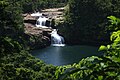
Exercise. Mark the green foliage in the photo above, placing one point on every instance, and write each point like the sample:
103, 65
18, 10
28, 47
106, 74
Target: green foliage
11, 27
115, 23
8, 45
16, 63
10, 18
86, 20
102, 47
105, 67
23, 66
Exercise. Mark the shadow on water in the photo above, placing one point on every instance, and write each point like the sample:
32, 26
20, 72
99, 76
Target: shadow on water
65, 55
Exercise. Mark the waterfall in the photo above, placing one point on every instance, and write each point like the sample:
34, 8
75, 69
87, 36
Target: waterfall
56, 39
41, 22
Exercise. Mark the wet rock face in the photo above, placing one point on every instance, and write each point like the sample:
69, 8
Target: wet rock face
38, 37
38, 41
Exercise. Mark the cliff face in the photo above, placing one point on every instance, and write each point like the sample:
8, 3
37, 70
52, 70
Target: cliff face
38, 37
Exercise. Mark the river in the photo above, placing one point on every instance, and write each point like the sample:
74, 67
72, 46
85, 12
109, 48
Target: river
65, 55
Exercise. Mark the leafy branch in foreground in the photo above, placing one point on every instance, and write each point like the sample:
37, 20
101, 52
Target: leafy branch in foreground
105, 67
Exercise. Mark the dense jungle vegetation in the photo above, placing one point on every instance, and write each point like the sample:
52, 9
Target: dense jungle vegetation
84, 20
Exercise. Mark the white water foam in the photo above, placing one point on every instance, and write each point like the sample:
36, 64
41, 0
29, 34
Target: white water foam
56, 39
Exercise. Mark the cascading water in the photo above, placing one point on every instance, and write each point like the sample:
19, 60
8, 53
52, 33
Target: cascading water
41, 22
56, 39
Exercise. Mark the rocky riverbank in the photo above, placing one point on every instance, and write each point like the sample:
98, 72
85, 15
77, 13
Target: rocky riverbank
40, 37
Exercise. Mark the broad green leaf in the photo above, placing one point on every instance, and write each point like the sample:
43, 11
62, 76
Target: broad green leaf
102, 48
100, 77
108, 46
111, 17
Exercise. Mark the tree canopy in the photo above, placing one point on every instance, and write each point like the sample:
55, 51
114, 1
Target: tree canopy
86, 20
11, 26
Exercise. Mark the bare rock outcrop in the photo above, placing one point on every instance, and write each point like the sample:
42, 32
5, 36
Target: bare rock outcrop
39, 37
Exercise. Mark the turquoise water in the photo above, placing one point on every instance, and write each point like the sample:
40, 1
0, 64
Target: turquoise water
65, 55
